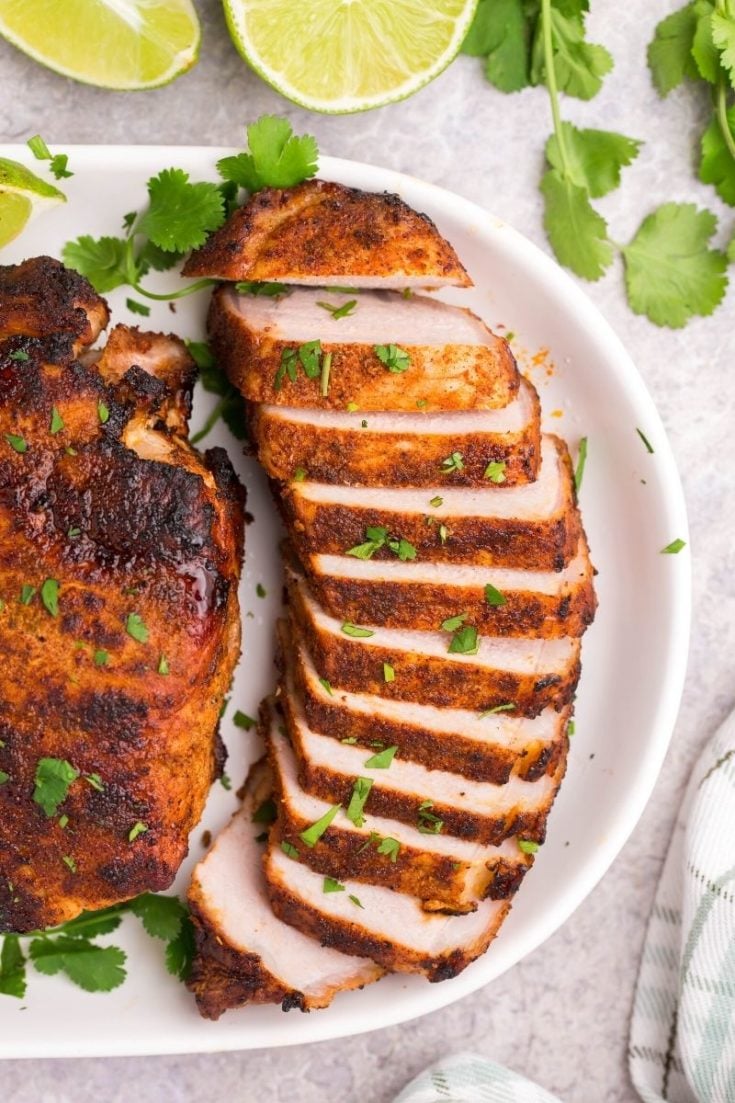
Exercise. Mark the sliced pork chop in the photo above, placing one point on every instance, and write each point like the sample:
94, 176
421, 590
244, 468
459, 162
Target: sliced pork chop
410, 792
324, 233
531, 674
403, 449
499, 601
444, 872
485, 747
454, 362
243, 953
374, 921
535, 527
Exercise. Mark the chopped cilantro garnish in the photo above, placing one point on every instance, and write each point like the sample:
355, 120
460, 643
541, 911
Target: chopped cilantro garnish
73, 533
101, 657
20, 355
436, 501
495, 472
265, 290
137, 829
360, 793
50, 596
260, 590
494, 597
428, 823
571, 728
95, 781
390, 847
163, 667
464, 641
299, 474
674, 547
381, 761
339, 311
103, 413
52, 780
4, 778
137, 308
69, 862
451, 624
265, 812
356, 902
312, 834
355, 631
454, 462
646, 441
289, 849
57, 421
327, 686
508, 706
389, 674
27, 593
135, 627
395, 359
581, 461
226, 781
330, 885
17, 443
242, 720
528, 846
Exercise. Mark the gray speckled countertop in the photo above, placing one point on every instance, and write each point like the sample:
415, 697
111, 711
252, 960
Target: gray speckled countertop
561, 1016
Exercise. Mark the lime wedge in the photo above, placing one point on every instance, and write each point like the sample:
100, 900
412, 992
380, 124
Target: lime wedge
122, 44
22, 195
348, 55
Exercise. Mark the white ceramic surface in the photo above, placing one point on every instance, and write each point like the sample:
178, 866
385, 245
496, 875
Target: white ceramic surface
634, 657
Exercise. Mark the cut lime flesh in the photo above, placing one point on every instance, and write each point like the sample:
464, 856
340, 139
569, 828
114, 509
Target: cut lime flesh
119, 44
15, 210
348, 55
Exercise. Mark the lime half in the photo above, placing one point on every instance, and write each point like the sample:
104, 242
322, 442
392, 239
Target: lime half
123, 44
348, 55
22, 195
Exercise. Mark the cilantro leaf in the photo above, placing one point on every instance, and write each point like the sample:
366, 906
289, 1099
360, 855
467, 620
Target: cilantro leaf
731, 250
12, 968
277, 159
180, 950
93, 968
213, 379
670, 51
723, 36
704, 51
670, 273
578, 234
52, 780
160, 260
579, 65
180, 214
93, 924
594, 157
716, 165
161, 916
500, 33
102, 260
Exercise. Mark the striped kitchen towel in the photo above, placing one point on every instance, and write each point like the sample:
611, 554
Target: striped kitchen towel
682, 1038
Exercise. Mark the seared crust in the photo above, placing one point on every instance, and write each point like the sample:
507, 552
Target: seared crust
347, 663
491, 830
360, 457
355, 937
425, 605
445, 750
40, 298
319, 230
440, 377
127, 519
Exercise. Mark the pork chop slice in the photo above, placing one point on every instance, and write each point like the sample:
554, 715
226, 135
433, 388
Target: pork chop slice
535, 526
244, 954
423, 797
374, 921
483, 746
446, 358
499, 601
40, 298
400, 449
325, 233
529, 673
444, 872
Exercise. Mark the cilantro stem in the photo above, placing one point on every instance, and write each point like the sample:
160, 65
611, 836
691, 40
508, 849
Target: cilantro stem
722, 118
552, 85
190, 290
211, 421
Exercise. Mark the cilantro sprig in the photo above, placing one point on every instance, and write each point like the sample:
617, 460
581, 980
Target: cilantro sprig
181, 213
671, 272
72, 949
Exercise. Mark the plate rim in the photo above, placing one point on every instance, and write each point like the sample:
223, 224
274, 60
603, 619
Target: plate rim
629, 812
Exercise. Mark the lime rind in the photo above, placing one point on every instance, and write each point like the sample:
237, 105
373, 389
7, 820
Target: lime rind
23, 195
235, 15
124, 49
15, 177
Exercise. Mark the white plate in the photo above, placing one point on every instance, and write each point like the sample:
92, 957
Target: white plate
634, 656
